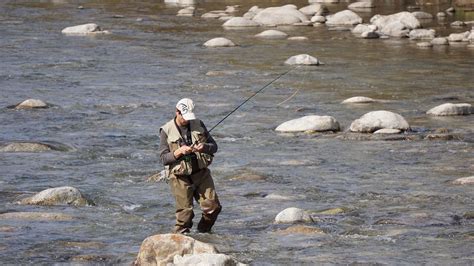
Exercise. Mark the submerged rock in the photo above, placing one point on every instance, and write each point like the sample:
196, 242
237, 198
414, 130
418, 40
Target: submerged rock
310, 122
83, 29
440, 41
272, 34
301, 229
186, 12
58, 196
376, 120
284, 15
302, 59
388, 131
362, 4
420, 34
31, 104
35, 216
161, 249
298, 38
345, 17
424, 44
332, 211
464, 181
34, 147
448, 109
248, 176
219, 42
205, 259
292, 215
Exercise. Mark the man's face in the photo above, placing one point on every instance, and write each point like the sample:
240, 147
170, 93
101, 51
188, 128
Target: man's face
180, 119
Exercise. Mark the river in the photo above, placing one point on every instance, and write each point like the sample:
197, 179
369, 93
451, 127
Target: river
111, 93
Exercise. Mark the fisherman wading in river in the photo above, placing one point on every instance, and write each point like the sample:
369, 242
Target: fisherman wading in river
186, 150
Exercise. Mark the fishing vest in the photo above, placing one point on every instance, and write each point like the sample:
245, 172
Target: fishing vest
183, 165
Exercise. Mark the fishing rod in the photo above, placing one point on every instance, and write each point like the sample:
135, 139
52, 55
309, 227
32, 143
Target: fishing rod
253, 95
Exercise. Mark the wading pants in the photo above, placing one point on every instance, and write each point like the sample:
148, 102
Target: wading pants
199, 186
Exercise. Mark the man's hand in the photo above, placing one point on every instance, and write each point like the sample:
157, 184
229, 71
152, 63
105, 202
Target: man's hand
198, 148
183, 150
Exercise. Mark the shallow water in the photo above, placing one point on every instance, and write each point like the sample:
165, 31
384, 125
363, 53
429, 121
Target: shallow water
113, 92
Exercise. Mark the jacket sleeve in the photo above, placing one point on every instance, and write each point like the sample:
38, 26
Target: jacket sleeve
166, 156
210, 147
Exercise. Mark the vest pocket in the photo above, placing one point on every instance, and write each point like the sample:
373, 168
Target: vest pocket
183, 167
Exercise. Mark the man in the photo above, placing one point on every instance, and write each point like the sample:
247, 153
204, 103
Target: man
186, 150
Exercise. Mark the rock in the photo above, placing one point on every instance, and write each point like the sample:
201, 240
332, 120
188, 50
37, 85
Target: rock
345, 17
7, 229
302, 59
231, 9
422, 15
89, 258
359, 99
464, 181
441, 137
420, 34
370, 35
310, 122
212, 15
314, 9
35, 216
301, 229
219, 42
273, 196
362, 4
388, 131
161, 249
285, 15
450, 10
272, 34
395, 24
458, 24
205, 259
361, 28
26, 147
240, 22
84, 29
323, 1
58, 196
253, 11
440, 41
468, 215
376, 120
424, 44
441, 15
31, 104
292, 215
333, 211
318, 19
186, 12
456, 37
298, 38
451, 109
248, 176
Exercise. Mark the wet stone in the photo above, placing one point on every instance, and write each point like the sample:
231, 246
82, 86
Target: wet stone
25, 147
332, 211
219, 42
248, 176
310, 123
35, 216
302, 59
301, 229
58, 196
468, 215
464, 181
292, 215
376, 120
92, 258
7, 229
84, 29
31, 104
205, 259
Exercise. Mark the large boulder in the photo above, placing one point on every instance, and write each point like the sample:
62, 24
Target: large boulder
161, 249
310, 123
284, 15
302, 59
293, 215
240, 22
83, 29
399, 21
421, 34
314, 9
219, 42
343, 18
58, 196
376, 120
451, 109
272, 34
205, 259
31, 104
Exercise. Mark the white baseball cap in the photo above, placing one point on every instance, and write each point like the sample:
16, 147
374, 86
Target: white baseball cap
186, 107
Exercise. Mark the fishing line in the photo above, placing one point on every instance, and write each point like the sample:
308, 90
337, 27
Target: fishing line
253, 95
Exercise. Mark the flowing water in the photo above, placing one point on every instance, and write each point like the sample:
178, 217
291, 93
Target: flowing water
111, 93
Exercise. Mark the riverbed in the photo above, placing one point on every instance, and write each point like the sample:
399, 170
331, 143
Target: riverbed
111, 93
